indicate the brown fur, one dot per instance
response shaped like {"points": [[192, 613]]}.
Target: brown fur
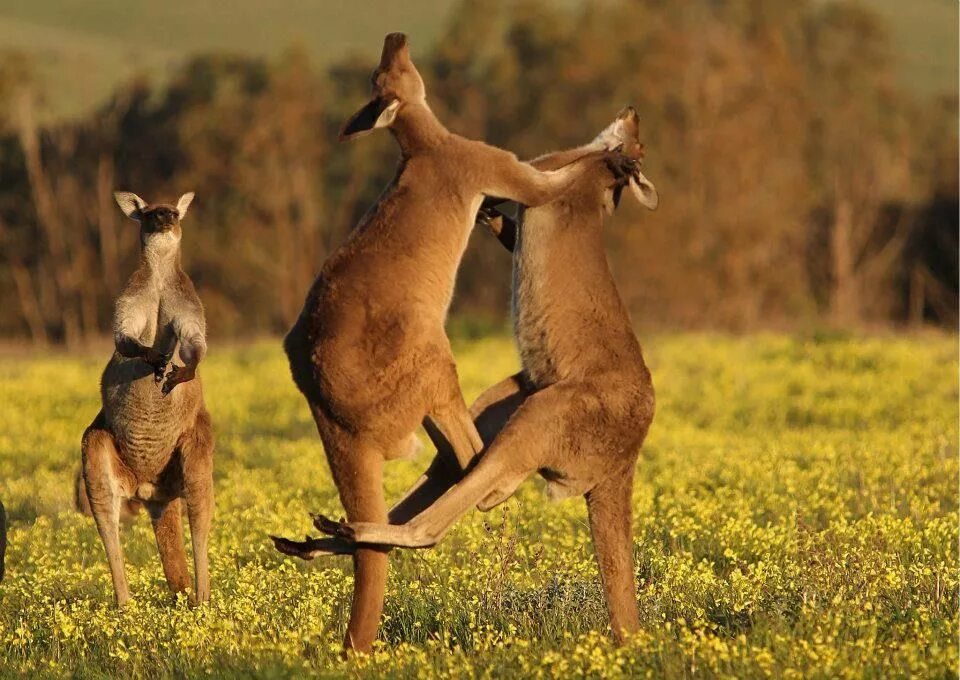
{"points": [[369, 351], [580, 409], [129, 508], [153, 444]]}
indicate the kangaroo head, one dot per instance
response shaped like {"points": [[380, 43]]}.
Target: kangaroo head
{"points": [[159, 222], [624, 133], [395, 84]]}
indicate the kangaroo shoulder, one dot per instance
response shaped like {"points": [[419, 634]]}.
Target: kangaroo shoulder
{"points": [[138, 285]]}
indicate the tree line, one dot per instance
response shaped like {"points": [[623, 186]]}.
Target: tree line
{"points": [[800, 183]]}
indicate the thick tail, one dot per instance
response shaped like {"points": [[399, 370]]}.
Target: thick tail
{"points": [[610, 513]]}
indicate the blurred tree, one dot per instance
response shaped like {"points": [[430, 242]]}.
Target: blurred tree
{"points": [[858, 154], [798, 182]]}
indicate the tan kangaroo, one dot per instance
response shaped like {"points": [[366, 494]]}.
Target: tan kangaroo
{"points": [[149, 442], [580, 409], [369, 351]]}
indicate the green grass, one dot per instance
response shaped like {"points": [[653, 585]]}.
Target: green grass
{"points": [[84, 50], [795, 507]]}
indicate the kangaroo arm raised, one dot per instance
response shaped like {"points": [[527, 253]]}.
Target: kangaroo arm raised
{"points": [[560, 159], [509, 178]]}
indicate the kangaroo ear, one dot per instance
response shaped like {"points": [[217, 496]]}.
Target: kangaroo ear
{"points": [[629, 121], [644, 191], [184, 203], [624, 130], [131, 204], [376, 114]]}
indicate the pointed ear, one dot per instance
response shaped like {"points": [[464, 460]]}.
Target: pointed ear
{"points": [[131, 204], [623, 130], [644, 191], [184, 203], [375, 114], [629, 121]]}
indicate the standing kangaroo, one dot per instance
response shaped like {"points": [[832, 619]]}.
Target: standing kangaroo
{"points": [[150, 442], [369, 351], [580, 409]]}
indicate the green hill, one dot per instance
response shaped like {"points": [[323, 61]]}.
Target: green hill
{"points": [[83, 49]]}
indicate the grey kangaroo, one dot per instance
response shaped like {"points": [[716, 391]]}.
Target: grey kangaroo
{"points": [[580, 409], [369, 351], [152, 440]]}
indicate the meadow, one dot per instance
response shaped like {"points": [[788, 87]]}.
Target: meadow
{"points": [[795, 516]]}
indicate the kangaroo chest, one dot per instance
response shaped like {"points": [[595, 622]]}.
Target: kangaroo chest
{"points": [[146, 425], [535, 319]]}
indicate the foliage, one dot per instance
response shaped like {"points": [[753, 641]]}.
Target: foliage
{"points": [[795, 517], [799, 180]]}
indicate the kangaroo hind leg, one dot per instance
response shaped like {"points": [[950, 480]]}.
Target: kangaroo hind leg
{"points": [[358, 472], [108, 482], [168, 530], [196, 459], [520, 449], [489, 413]]}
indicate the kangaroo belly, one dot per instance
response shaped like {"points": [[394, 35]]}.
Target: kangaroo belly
{"points": [[145, 425]]}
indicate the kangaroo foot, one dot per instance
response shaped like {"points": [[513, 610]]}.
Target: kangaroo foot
{"points": [[339, 529], [310, 547]]}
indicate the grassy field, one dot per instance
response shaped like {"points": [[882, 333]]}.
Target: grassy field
{"points": [[795, 517]]}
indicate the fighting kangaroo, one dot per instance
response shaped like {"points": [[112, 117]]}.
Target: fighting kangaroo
{"points": [[153, 442], [369, 351], [580, 409]]}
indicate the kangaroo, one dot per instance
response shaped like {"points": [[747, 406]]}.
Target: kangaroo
{"points": [[580, 409], [150, 442], [369, 351]]}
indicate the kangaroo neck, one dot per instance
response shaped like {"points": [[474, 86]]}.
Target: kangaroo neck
{"points": [[160, 259], [417, 129]]}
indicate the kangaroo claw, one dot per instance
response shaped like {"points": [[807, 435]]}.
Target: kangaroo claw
{"points": [[338, 529]]}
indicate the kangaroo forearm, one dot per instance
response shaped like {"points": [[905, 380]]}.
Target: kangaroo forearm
{"points": [[514, 180], [550, 185], [559, 159], [130, 347], [547, 186], [193, 349]]}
